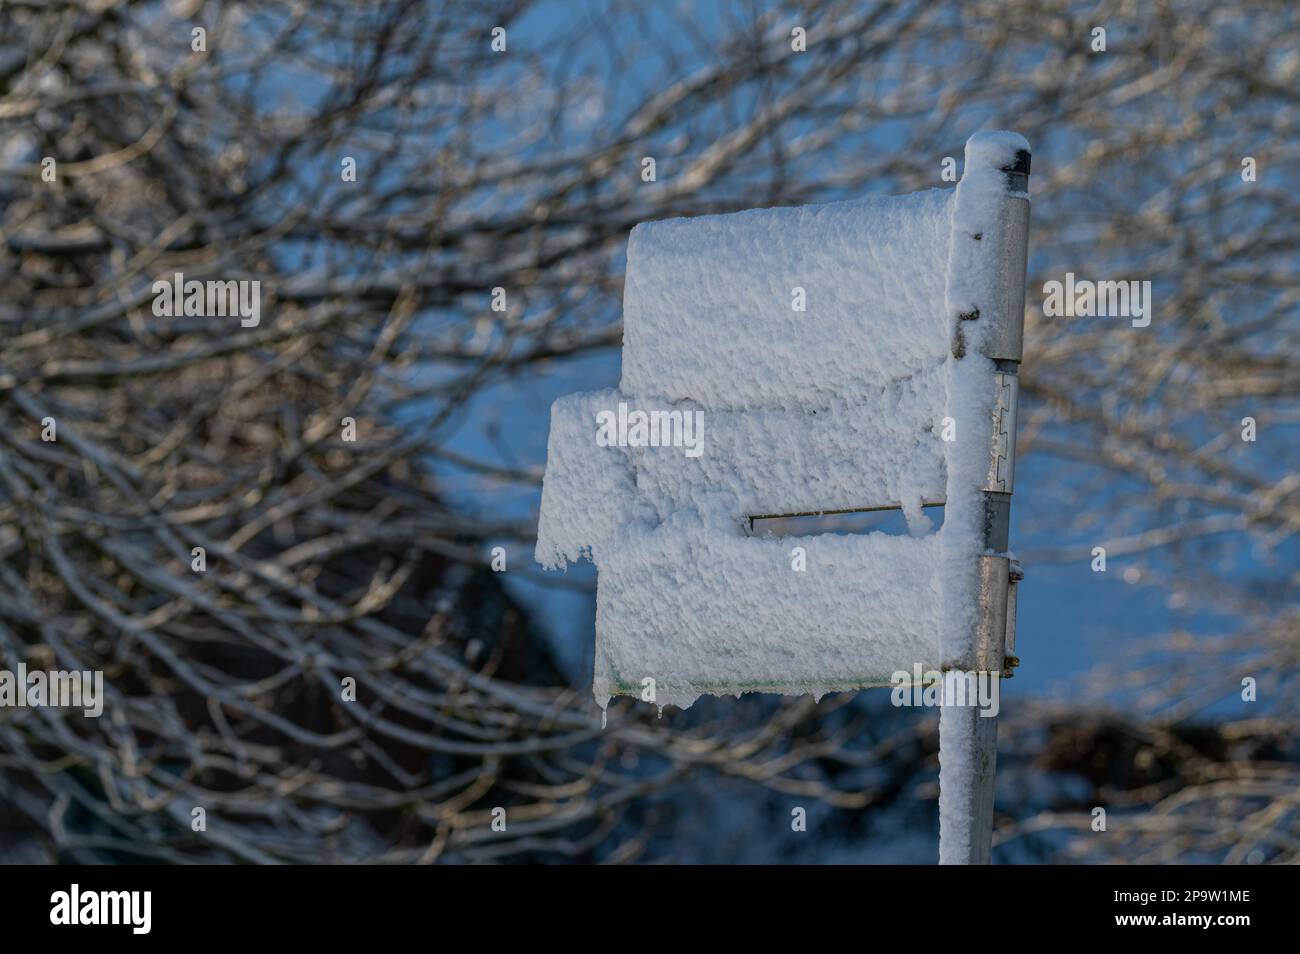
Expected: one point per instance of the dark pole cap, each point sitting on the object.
(1021, 163)
(1017, 174)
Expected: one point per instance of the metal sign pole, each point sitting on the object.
(966, 798)
(589, 498)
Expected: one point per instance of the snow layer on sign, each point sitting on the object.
(708, 313)
(833, 408)
(767, 461)
(589, 491)
(700, 610)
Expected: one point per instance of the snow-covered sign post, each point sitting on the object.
(847, 357)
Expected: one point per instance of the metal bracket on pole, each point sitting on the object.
(1009, 658)
(994, 644)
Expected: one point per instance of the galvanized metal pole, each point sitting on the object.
(971, 739)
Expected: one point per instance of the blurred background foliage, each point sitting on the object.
(520, 169)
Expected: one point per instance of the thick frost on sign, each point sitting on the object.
(786, 361)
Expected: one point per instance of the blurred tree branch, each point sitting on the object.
(478, 170)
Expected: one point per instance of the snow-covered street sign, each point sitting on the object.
(842, 357)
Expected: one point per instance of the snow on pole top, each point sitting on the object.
(996, 149)
(786, 360)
